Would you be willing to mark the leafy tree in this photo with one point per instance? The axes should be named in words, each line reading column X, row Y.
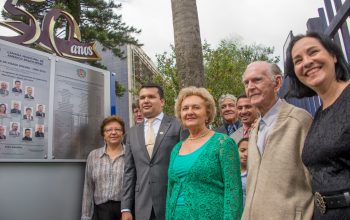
column 169, row 80
column 119, row 89
column 96, row 18
column 223, row 68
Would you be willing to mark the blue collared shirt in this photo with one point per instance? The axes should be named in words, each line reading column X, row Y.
column 266, row 124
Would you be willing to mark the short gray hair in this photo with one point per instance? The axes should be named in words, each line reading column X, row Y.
column 227, row 96
column 272, row 69
column 275, row 70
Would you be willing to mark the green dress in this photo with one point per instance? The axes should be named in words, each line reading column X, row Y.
column 212, row 189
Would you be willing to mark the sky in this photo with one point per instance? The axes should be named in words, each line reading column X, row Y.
column 264, row 22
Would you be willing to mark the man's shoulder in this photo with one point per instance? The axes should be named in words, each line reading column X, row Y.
column 239, row 130
column 134, row 127
column 172, row 119
column 294, row 116
column 221, row 129
column 4, row 91
column 299, row 113
column 238, row 134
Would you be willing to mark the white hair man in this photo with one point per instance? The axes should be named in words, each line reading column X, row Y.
column 228, row 112
column 278, row 184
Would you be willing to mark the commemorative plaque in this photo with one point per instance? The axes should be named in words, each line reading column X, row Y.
column 24, row 102
column 78, row 111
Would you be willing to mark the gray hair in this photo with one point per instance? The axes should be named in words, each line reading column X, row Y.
column 226, row 96
column 275, row 70
column 272, row 69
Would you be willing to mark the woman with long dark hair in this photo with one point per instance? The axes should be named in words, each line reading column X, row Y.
column 316, row 66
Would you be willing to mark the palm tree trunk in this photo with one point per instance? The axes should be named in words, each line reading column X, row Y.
column 188, row 45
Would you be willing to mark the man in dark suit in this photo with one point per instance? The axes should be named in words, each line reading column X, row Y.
column 27, row 134
column 14, row 129
column 15, row 109
column 147, row 154
column 3, row 89
column 29, row 94
column 228, row 112
column 28, row 115
column 39, row 132
column 40, row 112
column 17, row 87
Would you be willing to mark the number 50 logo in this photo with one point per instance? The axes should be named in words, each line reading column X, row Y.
column 29, row 33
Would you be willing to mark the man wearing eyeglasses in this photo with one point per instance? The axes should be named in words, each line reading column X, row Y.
column 147, row 153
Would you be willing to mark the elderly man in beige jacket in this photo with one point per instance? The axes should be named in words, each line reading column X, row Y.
column 278, row 184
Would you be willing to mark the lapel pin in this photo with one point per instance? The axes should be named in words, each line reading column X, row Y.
column 161, row 132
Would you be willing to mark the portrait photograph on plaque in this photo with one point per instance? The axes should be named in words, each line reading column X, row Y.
column 3, row 109
column 4, row 91
column 2, row 132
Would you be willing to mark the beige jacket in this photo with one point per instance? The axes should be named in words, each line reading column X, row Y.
column 278, row 183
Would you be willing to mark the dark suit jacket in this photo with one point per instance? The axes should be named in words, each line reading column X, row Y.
column 28, row 97
column 222, row 129
column 27, row 138
column 40, row 114
column 39, row 134
column 17, row 111
column 145, row 178
column 4, row 92
column 16, row 90
column 26, row 117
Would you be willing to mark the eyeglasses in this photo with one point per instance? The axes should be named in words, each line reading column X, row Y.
column 111, row 130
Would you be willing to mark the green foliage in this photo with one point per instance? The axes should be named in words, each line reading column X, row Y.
column 119, row 89
column 223, row 68
column 168, row 79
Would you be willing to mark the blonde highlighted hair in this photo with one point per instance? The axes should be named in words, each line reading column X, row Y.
column 200, row 92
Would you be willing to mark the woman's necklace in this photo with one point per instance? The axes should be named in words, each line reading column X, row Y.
column 200, row 136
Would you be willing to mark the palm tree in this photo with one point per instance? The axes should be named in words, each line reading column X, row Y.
column 188, row 46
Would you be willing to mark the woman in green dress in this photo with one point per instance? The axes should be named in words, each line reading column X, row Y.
column 204, row 170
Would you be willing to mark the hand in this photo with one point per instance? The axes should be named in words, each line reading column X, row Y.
column 126, row 216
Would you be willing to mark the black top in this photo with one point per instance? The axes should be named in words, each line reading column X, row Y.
column 25, row 138
column 14, row 89
column 39, row 134
column 326, row 151
column 327, row 147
